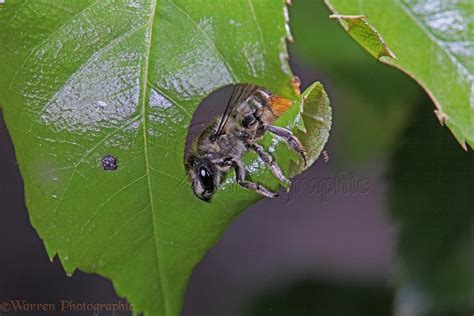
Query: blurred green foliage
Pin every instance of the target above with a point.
(432, 182)
(320, 298)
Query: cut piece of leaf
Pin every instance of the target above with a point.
(434, 43)
(88, 83)
(316, 116)
(365, 34)
(432, 182)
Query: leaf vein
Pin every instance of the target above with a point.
(61, 28)
(454, 59)
(259, 29)
(213, 44)
(86, 154)
(160, 91)
(123, 188)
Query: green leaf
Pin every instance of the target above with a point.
(367, 91)
(432, 182)
(84, 79)
(433, 41)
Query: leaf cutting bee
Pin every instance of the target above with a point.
(249, 114)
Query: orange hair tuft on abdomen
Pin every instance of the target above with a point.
(278, 104)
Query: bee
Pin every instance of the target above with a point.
(249, 114)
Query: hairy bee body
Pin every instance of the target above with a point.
(222, 144)
(245, 126)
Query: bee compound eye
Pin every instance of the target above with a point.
(206, 178)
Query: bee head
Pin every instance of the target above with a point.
(203, 175)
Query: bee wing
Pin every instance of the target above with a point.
(241, 93)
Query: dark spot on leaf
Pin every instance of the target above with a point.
(109, 162)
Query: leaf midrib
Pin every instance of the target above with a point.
(145, 146)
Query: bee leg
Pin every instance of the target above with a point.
(289, 138)
(268, 159)
(240, 176)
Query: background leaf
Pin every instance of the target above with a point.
(431, 200)
(446, 30)
(363, 91)
(85, 79)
